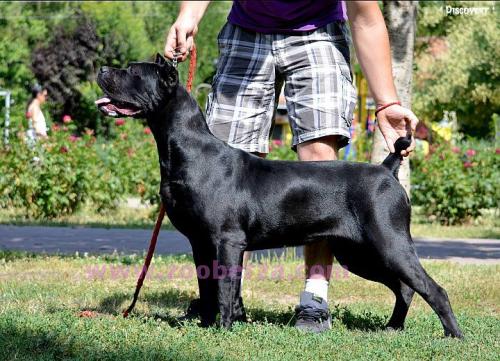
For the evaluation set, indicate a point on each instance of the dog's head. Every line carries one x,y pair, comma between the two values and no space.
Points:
138,90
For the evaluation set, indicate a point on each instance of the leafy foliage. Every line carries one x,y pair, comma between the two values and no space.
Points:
456,66
280,151
65,172
453,184
63,44
64,65
20,30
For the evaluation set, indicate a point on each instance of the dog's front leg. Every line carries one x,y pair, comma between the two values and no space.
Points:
204,254
228,269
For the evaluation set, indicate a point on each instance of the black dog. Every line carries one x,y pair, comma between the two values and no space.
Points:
227,201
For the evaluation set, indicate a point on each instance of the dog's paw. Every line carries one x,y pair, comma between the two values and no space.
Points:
454,334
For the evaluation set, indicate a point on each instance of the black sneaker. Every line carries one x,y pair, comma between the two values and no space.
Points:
312,314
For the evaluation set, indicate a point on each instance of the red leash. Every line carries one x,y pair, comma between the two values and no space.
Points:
161,215
192,69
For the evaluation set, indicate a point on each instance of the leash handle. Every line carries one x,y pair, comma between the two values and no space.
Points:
192,69
161,214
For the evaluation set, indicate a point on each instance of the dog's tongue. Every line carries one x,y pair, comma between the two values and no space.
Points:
123,111
109,108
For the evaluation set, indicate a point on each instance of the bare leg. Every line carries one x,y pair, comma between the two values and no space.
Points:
246,257
318,254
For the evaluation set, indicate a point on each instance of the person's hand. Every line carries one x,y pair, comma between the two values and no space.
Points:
180,37
394,122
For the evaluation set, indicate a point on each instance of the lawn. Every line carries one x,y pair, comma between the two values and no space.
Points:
41,299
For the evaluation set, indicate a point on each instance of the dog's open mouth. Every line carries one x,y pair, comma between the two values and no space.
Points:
115,108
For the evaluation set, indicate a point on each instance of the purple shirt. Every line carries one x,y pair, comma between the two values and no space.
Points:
282,16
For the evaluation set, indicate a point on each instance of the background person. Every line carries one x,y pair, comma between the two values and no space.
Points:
35,116
303,44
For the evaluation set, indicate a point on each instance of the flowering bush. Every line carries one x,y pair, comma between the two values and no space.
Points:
119,122
453,184
65,171
280,151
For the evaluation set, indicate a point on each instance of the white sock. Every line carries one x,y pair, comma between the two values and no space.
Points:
317,287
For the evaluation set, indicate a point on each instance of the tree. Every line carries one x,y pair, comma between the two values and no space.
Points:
400,18
125,32
456,66
20,27
67,61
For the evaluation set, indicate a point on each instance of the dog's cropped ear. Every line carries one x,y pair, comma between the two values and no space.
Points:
159,59
172,78
169,76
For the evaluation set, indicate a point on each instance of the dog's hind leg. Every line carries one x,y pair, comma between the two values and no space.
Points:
360,259
228,272
404,295
400,256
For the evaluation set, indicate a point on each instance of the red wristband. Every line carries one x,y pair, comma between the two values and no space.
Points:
382,107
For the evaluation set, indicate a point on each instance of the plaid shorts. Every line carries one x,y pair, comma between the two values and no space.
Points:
314,66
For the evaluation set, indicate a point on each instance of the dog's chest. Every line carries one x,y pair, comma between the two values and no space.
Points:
180,201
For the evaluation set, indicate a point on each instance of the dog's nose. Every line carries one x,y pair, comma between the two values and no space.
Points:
104,69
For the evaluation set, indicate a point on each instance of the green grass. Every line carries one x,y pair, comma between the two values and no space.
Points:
487,226
41,297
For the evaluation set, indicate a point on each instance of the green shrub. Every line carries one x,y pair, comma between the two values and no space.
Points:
137,163
453,184
65,171
280,151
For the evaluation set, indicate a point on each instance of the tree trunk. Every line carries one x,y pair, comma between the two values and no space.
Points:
401,21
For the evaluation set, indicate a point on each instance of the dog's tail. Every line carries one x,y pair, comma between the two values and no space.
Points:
393,160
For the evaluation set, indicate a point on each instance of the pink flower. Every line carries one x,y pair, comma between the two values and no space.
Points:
497,151
455,150
66,119
119,122
147,130
467,164
55,127
73,138
277,142
470,152
28,115
63,149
